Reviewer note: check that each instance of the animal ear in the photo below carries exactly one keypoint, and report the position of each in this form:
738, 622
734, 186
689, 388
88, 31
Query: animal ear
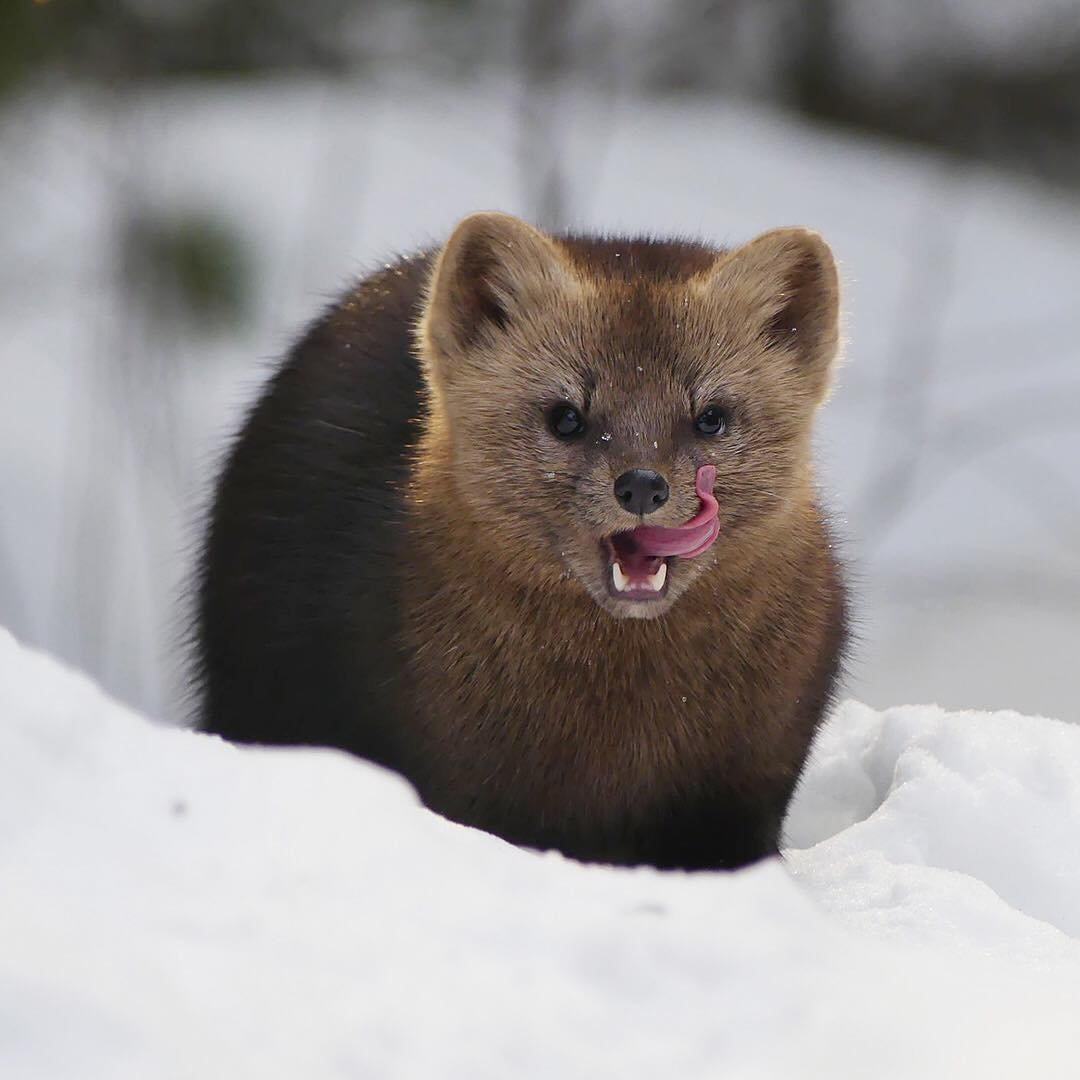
787, 280
491, 270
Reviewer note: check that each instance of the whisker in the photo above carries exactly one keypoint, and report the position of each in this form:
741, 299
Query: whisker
338, 427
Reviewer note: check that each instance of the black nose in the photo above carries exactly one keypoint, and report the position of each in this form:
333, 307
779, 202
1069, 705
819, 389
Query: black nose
641, 491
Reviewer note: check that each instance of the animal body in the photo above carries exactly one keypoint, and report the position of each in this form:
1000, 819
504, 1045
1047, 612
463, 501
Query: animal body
532, 520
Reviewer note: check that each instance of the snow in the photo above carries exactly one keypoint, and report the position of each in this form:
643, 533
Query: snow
173, 906
949, 830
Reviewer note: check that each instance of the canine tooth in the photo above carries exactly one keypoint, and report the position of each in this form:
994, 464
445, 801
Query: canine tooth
656, 581
618, 577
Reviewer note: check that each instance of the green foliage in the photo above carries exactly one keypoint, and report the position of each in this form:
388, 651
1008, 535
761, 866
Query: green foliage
189, 266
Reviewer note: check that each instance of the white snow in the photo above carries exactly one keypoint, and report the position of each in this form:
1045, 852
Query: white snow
172, 906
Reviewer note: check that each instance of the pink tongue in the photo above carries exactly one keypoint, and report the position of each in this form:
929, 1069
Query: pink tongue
642, 546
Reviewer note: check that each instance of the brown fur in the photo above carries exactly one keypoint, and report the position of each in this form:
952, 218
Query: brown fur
541, 715
409, 564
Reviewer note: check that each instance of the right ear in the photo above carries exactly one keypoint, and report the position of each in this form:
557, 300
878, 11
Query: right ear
491, 270
785, 282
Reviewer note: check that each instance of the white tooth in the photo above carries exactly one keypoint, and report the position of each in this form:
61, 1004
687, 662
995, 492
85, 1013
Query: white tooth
656, 581
618, 577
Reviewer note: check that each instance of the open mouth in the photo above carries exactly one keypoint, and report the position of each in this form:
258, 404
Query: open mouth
638, 560
631, 573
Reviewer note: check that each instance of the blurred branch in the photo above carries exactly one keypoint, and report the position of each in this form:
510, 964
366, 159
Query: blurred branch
964, 436
1046, 492
905, 407
912, 455
687, 38
544, 47
15, 611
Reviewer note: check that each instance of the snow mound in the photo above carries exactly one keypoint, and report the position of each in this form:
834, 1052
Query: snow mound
952, 830
172, 906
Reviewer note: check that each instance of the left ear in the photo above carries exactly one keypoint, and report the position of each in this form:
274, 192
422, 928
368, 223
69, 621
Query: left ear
786, 282
491, 271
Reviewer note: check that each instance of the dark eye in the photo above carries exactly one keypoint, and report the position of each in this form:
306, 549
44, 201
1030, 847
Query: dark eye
566, 422
712, 420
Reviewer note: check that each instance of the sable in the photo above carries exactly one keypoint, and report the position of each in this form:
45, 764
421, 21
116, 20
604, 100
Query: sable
463, 534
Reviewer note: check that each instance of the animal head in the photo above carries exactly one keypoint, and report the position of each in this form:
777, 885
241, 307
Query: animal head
594, 394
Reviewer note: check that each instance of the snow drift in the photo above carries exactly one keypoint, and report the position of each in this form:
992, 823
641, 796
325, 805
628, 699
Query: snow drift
172, 906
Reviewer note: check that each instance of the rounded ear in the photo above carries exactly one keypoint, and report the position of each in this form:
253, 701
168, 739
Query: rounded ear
493, 267
786, 282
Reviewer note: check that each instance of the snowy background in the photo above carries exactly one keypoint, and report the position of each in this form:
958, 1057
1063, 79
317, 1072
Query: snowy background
948, 452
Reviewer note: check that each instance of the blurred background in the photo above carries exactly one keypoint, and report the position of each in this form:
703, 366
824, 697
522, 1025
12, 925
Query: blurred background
184, 183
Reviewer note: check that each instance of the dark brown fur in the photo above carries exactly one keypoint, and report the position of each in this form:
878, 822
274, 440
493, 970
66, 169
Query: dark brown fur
440, 602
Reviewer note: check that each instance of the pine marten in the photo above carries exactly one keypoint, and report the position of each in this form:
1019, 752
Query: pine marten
532, 520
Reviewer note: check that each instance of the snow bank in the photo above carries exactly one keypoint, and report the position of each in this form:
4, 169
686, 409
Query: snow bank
959, 831
172, 906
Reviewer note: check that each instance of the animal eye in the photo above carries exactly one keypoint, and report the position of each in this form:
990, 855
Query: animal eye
712, 420
566, 422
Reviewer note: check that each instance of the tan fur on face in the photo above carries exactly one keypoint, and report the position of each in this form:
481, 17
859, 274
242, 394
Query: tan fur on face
516, 322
